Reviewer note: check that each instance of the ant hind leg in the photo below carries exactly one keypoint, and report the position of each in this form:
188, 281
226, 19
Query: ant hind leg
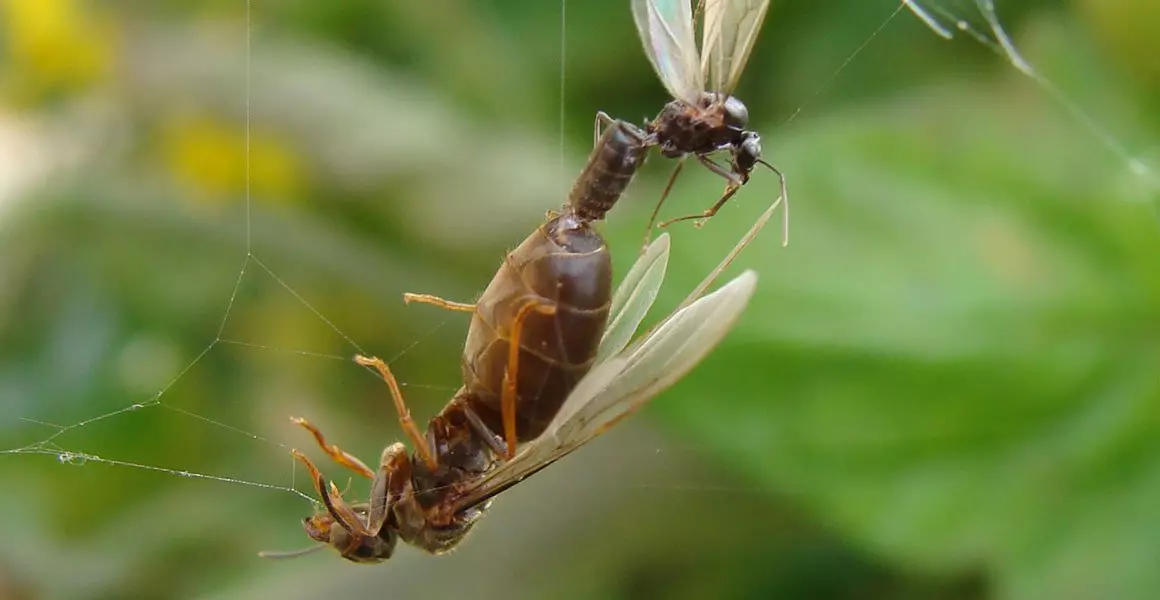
511, 374
408, 298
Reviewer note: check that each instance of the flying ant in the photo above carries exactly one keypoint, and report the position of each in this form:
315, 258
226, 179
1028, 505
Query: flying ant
701, 120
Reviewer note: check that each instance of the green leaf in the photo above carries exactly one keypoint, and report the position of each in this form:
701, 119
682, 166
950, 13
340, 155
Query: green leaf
954, 362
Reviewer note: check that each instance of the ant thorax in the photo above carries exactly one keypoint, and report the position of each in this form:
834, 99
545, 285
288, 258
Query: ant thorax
717, 122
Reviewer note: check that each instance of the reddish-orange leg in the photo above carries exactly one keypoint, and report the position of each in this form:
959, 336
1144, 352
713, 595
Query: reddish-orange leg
409, 426
340, 510
393, 476
337, 454
437, 301
511, 375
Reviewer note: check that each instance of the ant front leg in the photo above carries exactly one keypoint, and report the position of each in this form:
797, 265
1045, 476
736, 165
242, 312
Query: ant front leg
342, 513
389, 486
735, 183
409, 426
334, 452
511, 374
358, 536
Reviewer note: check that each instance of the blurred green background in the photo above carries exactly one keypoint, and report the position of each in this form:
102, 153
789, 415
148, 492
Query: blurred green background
946, 386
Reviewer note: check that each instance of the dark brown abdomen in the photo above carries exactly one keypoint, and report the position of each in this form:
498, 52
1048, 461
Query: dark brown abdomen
613, 163
563, 264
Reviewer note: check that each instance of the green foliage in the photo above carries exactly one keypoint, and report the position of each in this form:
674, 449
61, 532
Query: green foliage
944, 387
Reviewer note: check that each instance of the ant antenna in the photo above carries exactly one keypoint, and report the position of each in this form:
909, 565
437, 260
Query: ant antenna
289, 553
785, 198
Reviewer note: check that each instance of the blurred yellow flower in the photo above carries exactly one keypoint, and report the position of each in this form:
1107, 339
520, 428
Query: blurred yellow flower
53, 46
209, 156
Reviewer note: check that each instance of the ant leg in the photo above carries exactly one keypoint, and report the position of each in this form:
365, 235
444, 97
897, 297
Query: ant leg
735, 183
712, 210
746, 239
664, 196
409, 426
494, 441
337, 454
511, 374
343, 514
394, 464
603, 119
389, 486
408, 298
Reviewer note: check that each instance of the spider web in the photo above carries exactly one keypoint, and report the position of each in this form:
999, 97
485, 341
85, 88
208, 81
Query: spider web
979, 22
55, 444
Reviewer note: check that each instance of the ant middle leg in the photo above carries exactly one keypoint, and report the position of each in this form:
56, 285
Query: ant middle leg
389, 486
664, 196
495, 442
409, 426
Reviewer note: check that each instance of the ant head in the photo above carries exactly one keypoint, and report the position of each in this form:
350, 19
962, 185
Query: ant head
325, 529
748, 152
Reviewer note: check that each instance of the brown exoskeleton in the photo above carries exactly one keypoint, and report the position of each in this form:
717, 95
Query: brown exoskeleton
547, 366
534, 334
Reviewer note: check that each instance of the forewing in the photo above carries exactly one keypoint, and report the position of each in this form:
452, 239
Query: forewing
625, 383
741, 244
666, 30
634, 298
544, 450
728, 35
657, 361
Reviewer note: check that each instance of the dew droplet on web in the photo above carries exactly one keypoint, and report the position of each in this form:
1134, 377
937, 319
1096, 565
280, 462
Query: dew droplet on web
71, 458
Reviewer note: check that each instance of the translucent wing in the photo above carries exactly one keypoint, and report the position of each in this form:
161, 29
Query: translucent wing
623, 384
656, 362
666, 29
730, 30
634, 297
741, 244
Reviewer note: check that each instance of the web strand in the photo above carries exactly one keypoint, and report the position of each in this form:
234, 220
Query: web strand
936, 17
563, 80
845, 63
50, 446
945, 23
